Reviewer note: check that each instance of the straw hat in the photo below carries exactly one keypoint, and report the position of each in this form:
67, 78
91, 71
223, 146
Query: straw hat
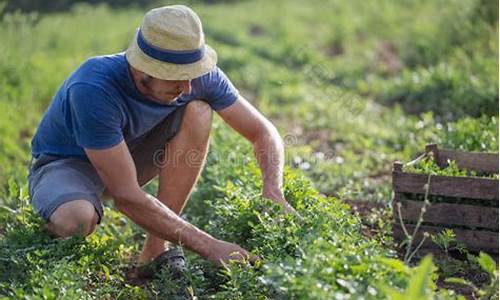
170, 45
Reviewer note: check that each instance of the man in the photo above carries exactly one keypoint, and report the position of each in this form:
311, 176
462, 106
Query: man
120, 120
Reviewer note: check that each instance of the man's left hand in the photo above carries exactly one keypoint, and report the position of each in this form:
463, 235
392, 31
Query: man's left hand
278, 197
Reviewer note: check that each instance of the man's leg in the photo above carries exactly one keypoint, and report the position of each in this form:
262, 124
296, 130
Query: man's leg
64, 192
184, 159
72, 218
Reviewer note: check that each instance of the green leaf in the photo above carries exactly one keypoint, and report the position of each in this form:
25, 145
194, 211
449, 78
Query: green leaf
106, 271
13, 188
457, 280
488, 264
419, 282
395, 264
394, 294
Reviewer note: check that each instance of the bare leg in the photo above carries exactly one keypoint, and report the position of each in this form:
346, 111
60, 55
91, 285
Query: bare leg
72, 218
185, 156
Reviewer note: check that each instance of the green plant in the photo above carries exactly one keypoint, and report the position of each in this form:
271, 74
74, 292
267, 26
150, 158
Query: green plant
429, 166
420, 286
485, 137
410, 238
319, 96
446, 240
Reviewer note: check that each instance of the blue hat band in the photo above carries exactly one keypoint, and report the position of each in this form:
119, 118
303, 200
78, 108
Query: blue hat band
170, 56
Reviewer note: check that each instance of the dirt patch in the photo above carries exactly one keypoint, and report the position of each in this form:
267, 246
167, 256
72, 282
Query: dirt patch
256, 30
387, 54
334, 49
364, 208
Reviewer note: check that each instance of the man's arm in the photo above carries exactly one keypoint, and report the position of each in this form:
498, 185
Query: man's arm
267, 144
117, 170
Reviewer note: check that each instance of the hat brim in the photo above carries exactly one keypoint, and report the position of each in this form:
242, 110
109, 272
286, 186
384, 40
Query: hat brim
169, 71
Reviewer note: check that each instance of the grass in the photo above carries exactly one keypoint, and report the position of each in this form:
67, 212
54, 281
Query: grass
326, 251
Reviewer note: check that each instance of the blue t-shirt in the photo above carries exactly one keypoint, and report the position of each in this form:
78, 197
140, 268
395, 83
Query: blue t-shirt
98, 106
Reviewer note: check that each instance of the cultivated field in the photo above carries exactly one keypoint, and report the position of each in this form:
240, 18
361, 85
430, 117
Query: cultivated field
351, 85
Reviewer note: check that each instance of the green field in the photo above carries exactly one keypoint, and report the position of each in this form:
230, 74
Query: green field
351, 85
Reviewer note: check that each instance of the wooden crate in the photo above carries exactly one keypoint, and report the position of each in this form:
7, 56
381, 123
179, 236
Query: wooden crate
467, 205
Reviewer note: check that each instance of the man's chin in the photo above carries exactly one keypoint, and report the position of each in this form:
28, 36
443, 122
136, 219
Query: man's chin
164, 100
172, 100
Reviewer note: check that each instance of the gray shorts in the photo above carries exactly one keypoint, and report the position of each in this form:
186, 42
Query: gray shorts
54, 180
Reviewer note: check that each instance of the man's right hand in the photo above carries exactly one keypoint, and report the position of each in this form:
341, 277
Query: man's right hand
117, 170
223, 252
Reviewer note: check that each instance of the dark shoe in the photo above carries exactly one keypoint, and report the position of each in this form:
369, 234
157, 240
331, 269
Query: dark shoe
173, 259
168, 269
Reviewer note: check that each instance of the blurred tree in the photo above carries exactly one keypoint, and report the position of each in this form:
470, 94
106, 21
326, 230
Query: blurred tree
488, 11
61, 5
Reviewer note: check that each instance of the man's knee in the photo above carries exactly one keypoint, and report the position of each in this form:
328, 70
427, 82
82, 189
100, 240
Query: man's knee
73, 218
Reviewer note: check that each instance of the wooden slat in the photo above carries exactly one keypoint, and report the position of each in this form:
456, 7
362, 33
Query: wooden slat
451, 213
437, 252
475, 240
463, 187
481, 162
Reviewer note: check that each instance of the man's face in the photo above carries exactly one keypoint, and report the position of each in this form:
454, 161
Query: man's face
163, 91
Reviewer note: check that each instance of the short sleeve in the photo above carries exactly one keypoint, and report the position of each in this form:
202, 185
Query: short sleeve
218, 90
94, 118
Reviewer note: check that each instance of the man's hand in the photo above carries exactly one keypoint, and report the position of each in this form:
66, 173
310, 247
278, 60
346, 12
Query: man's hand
224, 252
278, 197
267, 144
117, 170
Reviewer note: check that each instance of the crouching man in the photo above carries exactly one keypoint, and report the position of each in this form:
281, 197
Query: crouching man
120, 120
